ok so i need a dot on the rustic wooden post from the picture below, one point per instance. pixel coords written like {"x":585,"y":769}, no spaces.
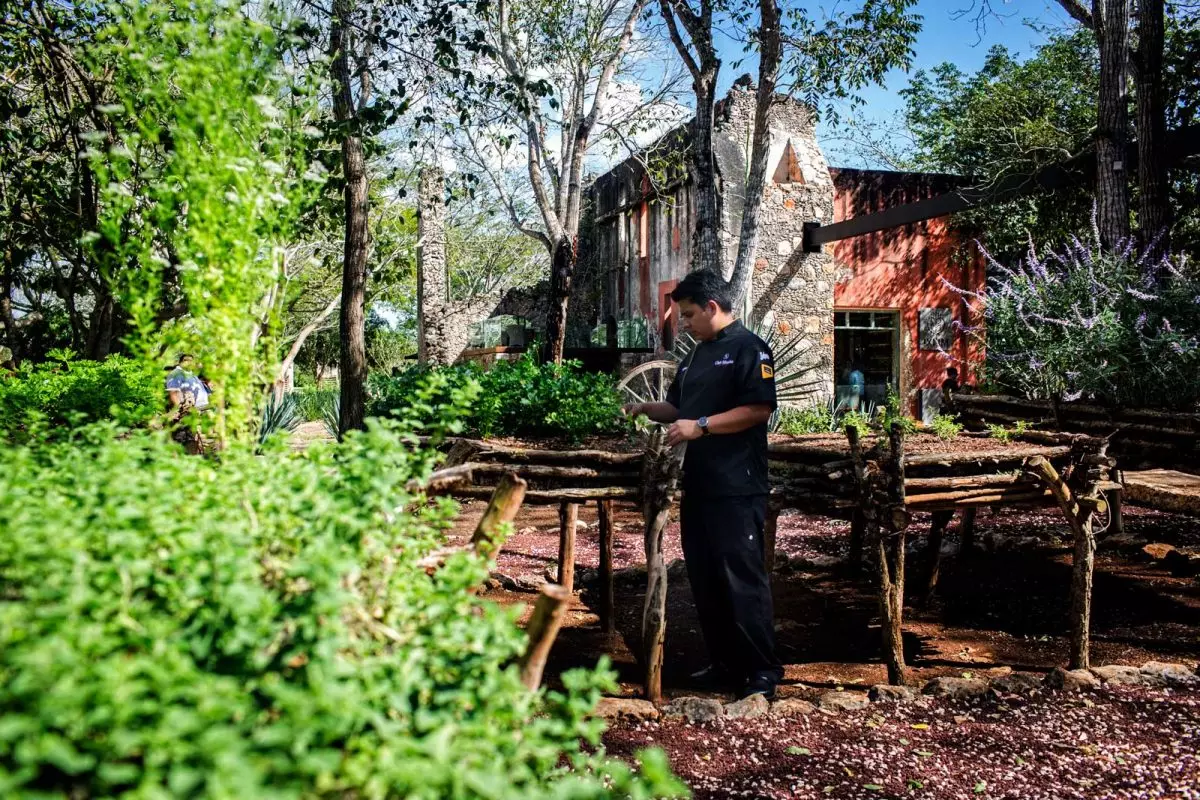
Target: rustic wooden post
{"x":890,"y":569}
{"x":1083,"y":561}
{"x":1116,"y":510}
{"x":660,"y":472}
{"x":568,"y":517}
{"x":858,"y":525}
{"x":937,"y":531}
{"x":542,"y":630}
{"x":605,"y":523}
{"x":770,"y":528}
{"x":503,"y":507}
{"x":966,"y":529}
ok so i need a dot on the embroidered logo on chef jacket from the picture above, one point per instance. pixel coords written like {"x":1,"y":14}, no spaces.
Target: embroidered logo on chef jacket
{"x":763,"y":356}
{"x":724,"y":361}
{"x":768,"y":371}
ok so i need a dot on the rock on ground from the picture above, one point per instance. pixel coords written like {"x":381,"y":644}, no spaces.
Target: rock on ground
{"x":842,"y":701}
{"x":792,"y":707}
{"x":956,"y":687}
{"x":695,"y":709}
{"x":748,"y":708}
{"x":1158,"y":673}
{"x":1118,"y":674}
{"x":886,"y":693}
{"x":1017,"y":683}
{"x":622,"y":709}
{"x":1071,"y":680}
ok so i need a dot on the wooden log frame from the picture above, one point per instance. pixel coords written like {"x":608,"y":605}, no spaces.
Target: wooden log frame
{"x":542,"y":630}
{"x":937,"y":531}
{"x":568,"y":522}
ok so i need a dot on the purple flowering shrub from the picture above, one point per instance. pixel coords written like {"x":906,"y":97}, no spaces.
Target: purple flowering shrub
{"x":1087,"y":323}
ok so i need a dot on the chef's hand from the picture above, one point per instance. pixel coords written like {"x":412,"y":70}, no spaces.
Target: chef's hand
{"x":683,"y":430}
{"x":632,"y":409}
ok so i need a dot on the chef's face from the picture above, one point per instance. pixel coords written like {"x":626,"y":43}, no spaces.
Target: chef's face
{"x":698,"y":319}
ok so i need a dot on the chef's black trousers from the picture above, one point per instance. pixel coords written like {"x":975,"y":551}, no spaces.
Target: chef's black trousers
{"x":723,"y":549}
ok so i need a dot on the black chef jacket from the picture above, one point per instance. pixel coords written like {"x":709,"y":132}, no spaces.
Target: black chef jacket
{"x":735,"y":369}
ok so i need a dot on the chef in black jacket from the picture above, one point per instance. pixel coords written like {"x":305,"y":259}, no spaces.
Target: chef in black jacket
{"x":719,"y":403}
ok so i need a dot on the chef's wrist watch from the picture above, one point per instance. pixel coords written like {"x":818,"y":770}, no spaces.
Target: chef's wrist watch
{"x":703,"y":423}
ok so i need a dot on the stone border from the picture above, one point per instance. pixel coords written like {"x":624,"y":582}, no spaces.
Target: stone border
{"x":698,"y":710}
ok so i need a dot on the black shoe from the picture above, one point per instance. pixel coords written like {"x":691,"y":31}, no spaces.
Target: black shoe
{"x":760,"y":685}
{"x":714,"y":676}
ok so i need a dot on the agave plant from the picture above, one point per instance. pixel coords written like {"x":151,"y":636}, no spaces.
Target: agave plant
{"x":279,"y":414}
{"x":331,"y":414}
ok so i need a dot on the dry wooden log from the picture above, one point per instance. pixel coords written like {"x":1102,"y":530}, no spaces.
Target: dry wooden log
{"x":915,"y":486}
{"x":555,"y":496}
{"x":505,"y":500}
{"x":568,"y":518}
{"x":801,"y":452}
{"x":864,"y":520}
{"x":605,"y":525}
{"x":542,"y":629}
{"x":442,"y":481}
{"x":998,"y":456}
{"x":1014,"y":490}
{"x":490,"y":450}
{"x":985,"y":401}
{"x":615,"y":477}
{"x":1035,"y":499}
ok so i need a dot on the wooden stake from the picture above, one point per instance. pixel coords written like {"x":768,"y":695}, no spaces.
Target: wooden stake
{"x":542,"y":629}
{"x":937,"y":531}
{"x":607,"y":609}
{"x":770,"y":527}
{"x":1116,"y":506}
{"x":661,"y":472}
{"x":559,"y":496}
{"x":1082,"y":561}
{"x":568,"y":517}
{"x":890,"y":567}
{"x":503,"y":507}
{"x":966,"y":531}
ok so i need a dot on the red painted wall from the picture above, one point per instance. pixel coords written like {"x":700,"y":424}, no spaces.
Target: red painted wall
{"x":902,"y":270}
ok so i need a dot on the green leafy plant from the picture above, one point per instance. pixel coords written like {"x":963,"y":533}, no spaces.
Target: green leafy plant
{"x":263,"y":626}
{"x":893,"y":413}
{"x":1003,"y":434}
{"x":946,"y":426}
{"x":331,"y":413}
{"x":516,"y":398}
{"x":311,"y":399}
{"x":65,"y":391}
{"x":279,"y":415}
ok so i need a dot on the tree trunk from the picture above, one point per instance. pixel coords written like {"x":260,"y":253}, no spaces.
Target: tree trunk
{"x":353,"y":362}
{"x":768,"y":71}
{"x":706,"y":241}
{"x":562,"y":268}
{"x":100,"y":329}
{"x":432,"y":278}
{"x":1112,"y":202}
{"x":1154,"y":211}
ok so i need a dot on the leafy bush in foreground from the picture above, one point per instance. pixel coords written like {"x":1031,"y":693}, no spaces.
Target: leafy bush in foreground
{"x":173,"y":626}
{"x":516,"y":398}
{"x":68,"y":391}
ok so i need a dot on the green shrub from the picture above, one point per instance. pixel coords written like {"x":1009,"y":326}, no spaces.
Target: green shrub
{"x":261,"y":626}
{"x":893,"y":412}
{"x":1003,"y":434}
{"x":311,"y":399}
{"x":946,"y":426}
{"x":799,"y":421}
{"x":516,"y":398}
{"x":66,"y":391}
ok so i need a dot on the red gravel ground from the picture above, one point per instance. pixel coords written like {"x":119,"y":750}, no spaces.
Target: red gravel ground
{"x":1000,"y":608}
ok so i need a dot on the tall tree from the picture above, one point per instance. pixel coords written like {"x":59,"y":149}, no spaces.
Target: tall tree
{"x":1110,"y":19}
{"x":352,"y":364}
{"x":562,"y":62}
{"x":1154,"y":209}
{"x":822,"y":62}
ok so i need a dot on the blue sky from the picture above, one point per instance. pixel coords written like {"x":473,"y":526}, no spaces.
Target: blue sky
{"x":943,"y":38}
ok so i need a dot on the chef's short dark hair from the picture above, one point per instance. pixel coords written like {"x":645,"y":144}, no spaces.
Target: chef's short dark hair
{"x":701,"y":286}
